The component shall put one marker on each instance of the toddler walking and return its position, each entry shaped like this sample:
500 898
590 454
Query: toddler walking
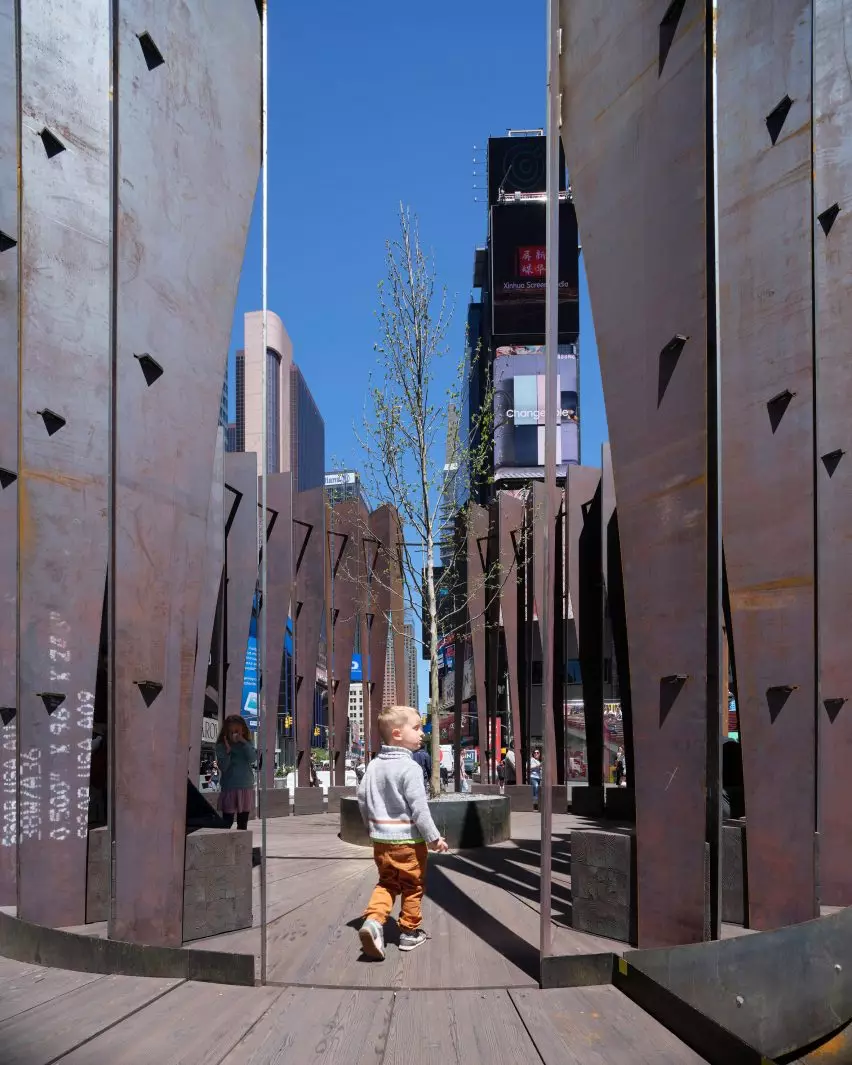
392 799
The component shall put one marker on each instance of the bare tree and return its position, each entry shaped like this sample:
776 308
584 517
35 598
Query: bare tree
418 455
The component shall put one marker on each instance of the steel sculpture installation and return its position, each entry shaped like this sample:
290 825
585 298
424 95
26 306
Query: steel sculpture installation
510 511
8 452
477 602
385 616
241 562
309 549
279 592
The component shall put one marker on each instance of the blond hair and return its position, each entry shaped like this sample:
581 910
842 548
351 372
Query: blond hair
394 717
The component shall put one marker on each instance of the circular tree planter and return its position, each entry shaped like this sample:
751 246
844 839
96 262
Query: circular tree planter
465 821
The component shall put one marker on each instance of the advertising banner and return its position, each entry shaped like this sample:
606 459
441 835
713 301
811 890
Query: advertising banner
249 704
519 411
519 275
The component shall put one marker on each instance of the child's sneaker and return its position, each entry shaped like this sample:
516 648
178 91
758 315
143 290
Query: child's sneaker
373 939
410 940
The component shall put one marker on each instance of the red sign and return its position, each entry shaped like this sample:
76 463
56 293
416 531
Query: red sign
532 261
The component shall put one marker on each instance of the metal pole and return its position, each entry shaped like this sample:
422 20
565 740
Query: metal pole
261 663
546 607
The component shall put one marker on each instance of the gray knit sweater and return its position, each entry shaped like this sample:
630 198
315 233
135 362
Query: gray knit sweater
392 798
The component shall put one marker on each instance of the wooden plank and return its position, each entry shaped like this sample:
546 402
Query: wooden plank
597 1026
462 1028
33 987
194 1023
40 1036
310 1026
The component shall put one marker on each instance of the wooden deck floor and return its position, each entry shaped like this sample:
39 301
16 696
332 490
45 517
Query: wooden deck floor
481 910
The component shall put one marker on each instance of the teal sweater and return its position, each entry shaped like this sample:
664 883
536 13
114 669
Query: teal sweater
237 767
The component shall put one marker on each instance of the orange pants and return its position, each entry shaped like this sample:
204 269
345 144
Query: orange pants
402 871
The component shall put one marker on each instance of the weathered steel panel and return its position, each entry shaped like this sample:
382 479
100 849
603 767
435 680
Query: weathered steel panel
537 520
382 553
211 584
279 589
8 450
511 523
492 640
65 237
241 568
477 571
309 549
766 344
634 130
188 149
832 108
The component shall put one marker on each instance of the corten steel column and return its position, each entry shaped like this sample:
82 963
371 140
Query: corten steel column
187 151
349 519
492 638
583 504
386 600
279 583
635 134
241 567
511 521
538 518
477 599
460 656
211 585
8 451
832 129
309 547
766 307
64 381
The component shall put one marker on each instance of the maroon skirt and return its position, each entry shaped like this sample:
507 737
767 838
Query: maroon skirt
236 800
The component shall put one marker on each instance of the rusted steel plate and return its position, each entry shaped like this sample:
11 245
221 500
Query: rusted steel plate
537 520
510 534
188 150
64 424
766 343
309 547
211 584
385 601
833 281
241 567
634 130
279 588
492 640
347 524
477 599
583 555
8 450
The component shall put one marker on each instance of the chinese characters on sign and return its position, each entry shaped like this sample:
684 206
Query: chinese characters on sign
532 261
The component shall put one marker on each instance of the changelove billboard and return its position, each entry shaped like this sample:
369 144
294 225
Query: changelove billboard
518 272
519 411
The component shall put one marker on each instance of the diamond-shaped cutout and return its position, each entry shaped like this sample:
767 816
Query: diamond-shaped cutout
6 242
829 217
153 55
53 422
7 715
668 29
149 690
777 117
52 701
53 146
7 478
832 460
152 370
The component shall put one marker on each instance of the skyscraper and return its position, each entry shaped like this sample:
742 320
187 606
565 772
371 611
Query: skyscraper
249 388
307 435
412 694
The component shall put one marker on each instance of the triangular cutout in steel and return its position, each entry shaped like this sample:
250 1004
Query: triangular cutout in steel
7 478
53 422
669 357
829 217
52 701
777 117
153 55
776 698
833 708
6 242
777 407
832 460
668 29
53 146
152 370
149 690
7 714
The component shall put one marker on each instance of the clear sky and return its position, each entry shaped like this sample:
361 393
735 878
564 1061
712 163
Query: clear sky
372 104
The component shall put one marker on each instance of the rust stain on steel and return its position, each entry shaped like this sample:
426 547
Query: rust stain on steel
63 530
8 457
635 146
211 585
347 523
309 547
477 599
510 512
833 280
385 601
242 519
279 588
189 153
766 343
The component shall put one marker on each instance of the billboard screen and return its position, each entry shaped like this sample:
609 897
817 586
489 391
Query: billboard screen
518 274
519 411
519 164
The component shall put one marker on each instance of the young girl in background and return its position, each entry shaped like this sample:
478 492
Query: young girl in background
236 756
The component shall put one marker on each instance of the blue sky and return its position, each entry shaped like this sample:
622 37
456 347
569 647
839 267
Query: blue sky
373 104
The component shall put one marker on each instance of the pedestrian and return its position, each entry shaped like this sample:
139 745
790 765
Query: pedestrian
535 774
360 770
424 760
509 767
393 804
236 757
620 766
